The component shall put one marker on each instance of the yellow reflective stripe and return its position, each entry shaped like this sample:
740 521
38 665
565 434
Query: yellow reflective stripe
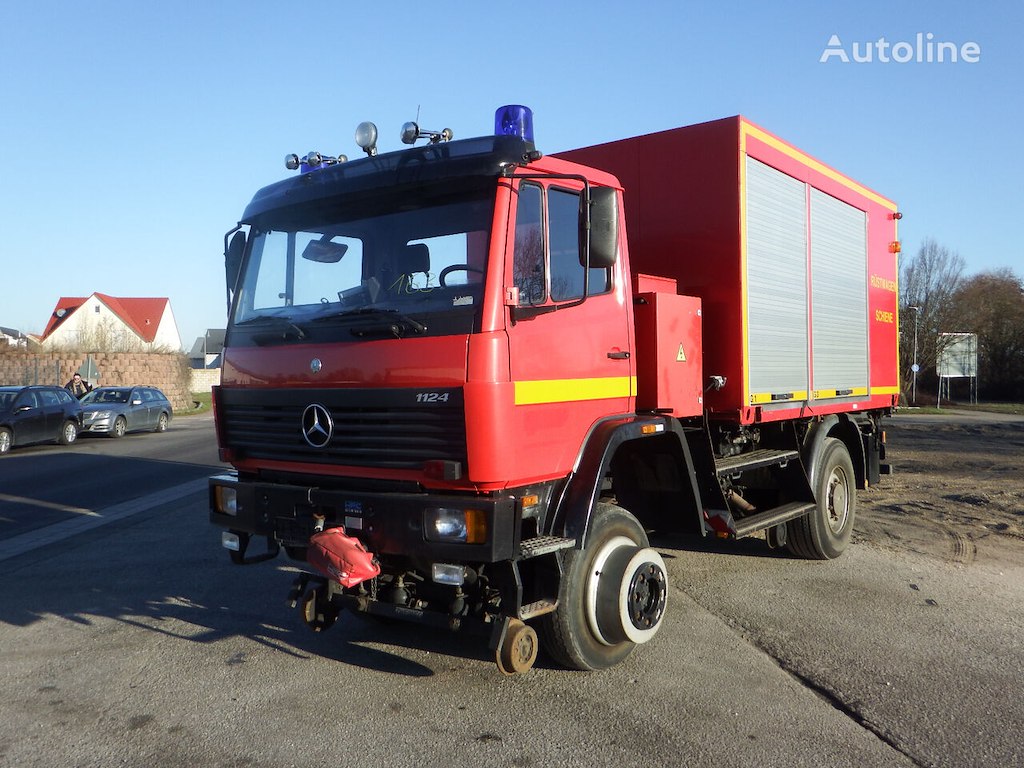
885 390
571 390
824 394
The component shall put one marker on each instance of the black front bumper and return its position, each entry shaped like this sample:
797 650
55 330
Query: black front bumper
388 524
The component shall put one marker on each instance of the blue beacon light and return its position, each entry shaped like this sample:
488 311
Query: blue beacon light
514 120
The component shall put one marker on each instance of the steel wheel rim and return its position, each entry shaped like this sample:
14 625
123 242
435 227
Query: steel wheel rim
837 500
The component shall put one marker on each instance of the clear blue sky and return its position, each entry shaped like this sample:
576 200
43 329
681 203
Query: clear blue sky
134 133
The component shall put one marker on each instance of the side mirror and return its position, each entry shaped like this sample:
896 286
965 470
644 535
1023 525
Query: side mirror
604 228
233 259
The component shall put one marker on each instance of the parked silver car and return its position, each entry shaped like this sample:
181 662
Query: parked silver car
116 410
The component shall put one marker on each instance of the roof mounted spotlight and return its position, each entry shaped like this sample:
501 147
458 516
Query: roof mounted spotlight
366 138
411 132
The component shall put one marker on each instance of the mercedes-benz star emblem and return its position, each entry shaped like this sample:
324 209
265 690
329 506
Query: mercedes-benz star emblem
317 425
315 365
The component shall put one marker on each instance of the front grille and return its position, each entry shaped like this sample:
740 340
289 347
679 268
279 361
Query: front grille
382 428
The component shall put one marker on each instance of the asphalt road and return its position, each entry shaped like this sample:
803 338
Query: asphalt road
135 642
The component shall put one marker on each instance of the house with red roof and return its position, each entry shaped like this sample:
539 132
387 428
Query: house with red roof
102 323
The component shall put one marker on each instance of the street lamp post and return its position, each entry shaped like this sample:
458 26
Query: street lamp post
915 367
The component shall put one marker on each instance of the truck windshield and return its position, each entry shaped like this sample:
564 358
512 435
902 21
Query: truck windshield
411 263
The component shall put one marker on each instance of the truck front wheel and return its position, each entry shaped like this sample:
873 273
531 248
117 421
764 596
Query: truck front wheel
825 532
612 596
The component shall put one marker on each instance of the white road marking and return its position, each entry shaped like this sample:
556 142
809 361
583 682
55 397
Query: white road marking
89 519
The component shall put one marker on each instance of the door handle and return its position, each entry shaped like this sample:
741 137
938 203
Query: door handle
618 355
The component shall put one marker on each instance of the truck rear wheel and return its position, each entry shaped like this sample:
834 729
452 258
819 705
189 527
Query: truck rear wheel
612 596
825 532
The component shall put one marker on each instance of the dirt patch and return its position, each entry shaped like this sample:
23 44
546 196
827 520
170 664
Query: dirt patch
957 493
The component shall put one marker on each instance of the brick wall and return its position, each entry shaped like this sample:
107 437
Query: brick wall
169 372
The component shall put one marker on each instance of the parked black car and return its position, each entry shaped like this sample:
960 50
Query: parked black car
37 414
116 410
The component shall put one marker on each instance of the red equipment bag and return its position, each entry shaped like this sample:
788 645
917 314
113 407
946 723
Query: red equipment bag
341 558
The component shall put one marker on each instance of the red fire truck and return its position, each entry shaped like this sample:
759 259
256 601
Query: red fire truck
465 383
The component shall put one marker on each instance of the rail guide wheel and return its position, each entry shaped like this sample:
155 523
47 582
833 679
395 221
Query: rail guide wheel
518 650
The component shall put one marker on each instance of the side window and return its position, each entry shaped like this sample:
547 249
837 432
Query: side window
48 397
64 396
528 259
566 272
27 399
531 269
147 396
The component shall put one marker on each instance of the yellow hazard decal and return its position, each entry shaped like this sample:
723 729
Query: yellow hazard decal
680 355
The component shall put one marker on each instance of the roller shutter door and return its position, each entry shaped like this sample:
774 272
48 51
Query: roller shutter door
839 312
776 282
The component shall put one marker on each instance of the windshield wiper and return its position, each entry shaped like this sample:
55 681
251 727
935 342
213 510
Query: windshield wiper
392 322
289 330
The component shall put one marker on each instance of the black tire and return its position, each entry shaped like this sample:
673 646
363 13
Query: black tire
68 433
119 428
161 423
825 533
588 630
6 440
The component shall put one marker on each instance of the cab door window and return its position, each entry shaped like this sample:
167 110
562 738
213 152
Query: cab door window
546 262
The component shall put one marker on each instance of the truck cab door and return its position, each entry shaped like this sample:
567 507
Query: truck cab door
571 362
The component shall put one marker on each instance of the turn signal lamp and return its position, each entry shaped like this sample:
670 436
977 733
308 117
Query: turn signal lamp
514 120
461 526
895 247
225 500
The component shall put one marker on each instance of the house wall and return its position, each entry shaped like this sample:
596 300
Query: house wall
167 336
169 372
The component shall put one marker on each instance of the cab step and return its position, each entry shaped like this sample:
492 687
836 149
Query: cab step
538 608
543 545
771 517
765 457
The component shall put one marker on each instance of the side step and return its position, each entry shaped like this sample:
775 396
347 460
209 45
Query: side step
766 457
794 509
543 545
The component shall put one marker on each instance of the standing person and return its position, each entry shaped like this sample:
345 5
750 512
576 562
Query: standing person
78 386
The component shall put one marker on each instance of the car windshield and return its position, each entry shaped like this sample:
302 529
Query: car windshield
107 396
415 264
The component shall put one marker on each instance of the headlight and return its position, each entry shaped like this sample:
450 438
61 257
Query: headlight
464 526
101 415
225 500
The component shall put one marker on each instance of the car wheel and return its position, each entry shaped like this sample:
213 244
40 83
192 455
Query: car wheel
161 423
6 440
612 596
68 433
119 428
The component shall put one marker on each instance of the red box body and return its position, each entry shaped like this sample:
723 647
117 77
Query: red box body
793 262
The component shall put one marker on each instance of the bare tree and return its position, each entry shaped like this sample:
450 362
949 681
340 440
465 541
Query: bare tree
929 282
992 306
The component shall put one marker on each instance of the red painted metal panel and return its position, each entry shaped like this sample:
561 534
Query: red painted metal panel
668 354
